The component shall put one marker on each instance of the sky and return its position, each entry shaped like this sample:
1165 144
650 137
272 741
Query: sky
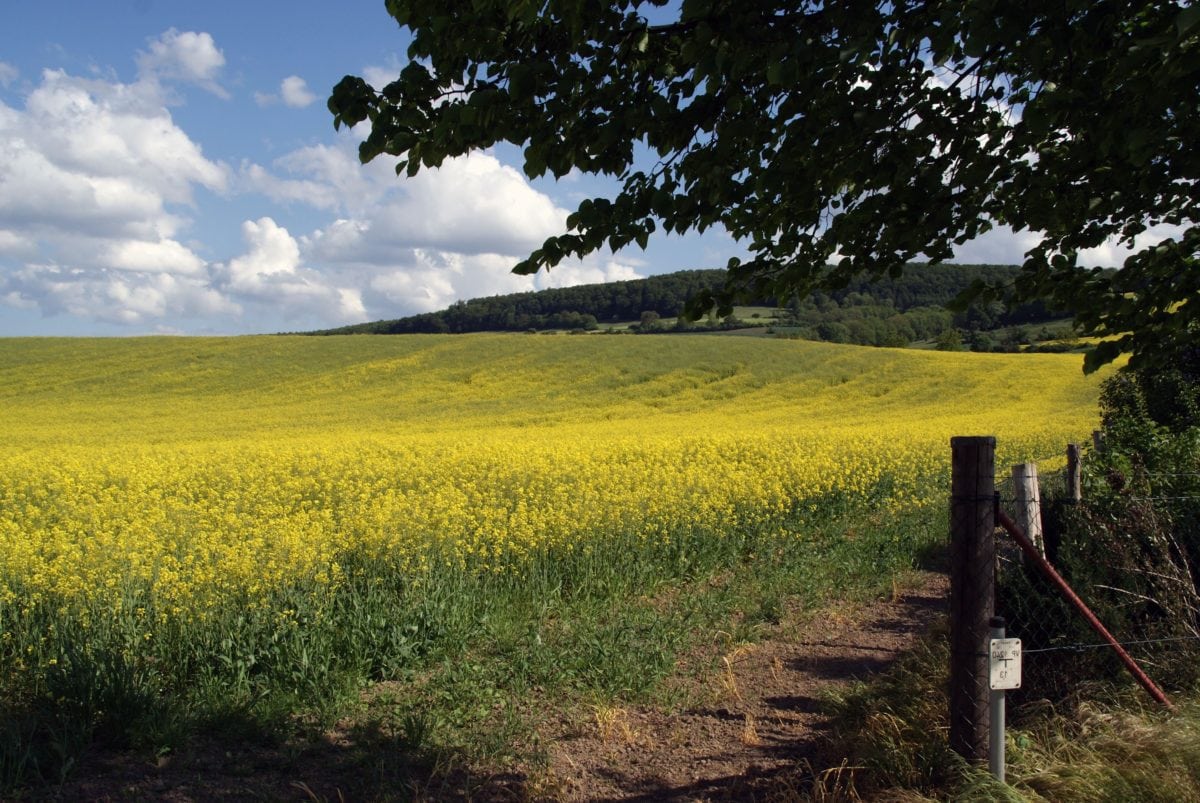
170 167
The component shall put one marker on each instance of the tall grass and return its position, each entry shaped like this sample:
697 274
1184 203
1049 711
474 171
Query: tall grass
1103 745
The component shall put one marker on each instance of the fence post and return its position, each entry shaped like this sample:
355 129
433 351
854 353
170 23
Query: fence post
972 590
1029 503
996 698
1074 486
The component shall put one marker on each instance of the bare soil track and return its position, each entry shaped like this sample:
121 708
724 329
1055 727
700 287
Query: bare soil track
753 725
764 720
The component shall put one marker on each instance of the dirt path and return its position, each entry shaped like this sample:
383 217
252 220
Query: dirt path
747 728
759 718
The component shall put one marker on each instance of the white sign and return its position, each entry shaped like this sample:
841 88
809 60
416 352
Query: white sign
1004 663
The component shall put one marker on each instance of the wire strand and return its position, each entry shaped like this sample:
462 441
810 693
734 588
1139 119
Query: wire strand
1082 647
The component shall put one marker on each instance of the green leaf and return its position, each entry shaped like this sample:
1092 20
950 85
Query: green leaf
767 128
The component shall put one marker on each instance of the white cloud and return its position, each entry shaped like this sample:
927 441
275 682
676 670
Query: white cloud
164 256
471 205
1003 246
1000 246
571 274
98 183
97 158
273 254
1114 253
421 287
112 296
379 76
271 271
8 74
184 56
295 92
325 177
90 175
426 280
16 245
418 244
306 191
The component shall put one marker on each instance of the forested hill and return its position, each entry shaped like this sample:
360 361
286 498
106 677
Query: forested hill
593 305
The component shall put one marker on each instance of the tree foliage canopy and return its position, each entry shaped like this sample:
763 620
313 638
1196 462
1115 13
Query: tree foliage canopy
835 139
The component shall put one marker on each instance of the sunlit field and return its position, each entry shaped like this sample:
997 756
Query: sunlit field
270 512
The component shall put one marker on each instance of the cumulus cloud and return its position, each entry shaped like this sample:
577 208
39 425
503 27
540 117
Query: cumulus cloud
92 174
323 177
271 271
379 76
295 92
8 74
1113 253
470 205
185 56
112 296
98 185
419 244
1003 246
1000 246
587 272
87 155
428 280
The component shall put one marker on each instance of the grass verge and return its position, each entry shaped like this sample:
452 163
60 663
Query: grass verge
1107 743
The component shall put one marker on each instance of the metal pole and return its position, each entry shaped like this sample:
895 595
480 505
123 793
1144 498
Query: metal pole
996 704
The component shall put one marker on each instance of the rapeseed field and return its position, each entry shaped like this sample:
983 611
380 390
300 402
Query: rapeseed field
269 512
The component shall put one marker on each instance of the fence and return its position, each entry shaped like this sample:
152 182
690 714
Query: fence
1121 555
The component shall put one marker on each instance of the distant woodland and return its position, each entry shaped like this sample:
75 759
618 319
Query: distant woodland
883 312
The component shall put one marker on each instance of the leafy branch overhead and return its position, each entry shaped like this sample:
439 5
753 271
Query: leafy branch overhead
835 139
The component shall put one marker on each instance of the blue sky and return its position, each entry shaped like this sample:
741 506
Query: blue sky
171 167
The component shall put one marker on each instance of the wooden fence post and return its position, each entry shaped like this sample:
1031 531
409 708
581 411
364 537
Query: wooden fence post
1029 503
1074 465
972 590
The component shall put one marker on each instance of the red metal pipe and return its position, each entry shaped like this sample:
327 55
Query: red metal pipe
1034 555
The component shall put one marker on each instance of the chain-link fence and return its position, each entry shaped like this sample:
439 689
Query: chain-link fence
1096 571
1128 550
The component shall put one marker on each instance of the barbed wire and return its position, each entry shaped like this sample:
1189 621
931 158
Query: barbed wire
1001 476
1104 646
1193 498
1164 498
1007 475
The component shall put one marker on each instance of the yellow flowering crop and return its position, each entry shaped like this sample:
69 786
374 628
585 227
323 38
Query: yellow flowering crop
198 471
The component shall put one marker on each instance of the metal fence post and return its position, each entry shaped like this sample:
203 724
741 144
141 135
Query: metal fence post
972 591
996 740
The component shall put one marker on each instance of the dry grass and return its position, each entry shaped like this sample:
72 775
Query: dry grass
893 734
1113 751
749 735
613 726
